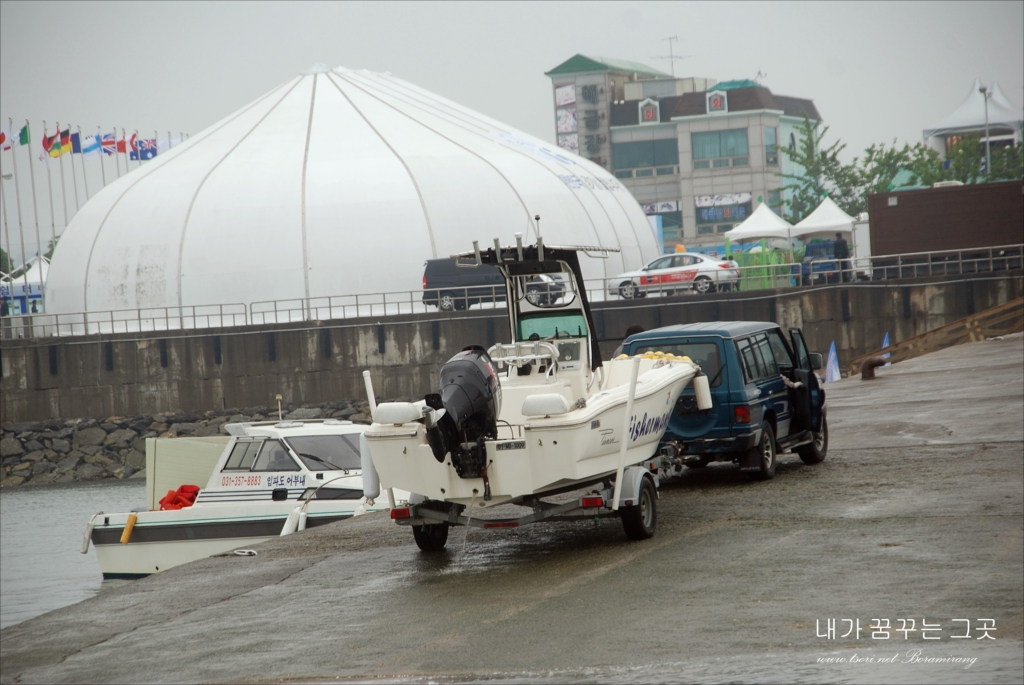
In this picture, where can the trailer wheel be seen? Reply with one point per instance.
(430, 537)
(640, 520)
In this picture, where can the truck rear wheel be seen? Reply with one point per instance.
(816, 452)
(640, 520)
(766, 455)
(430, 537)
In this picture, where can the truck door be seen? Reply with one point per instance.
(805, 374)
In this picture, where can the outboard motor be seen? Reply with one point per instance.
(471, 398)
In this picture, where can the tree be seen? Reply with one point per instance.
(5, 261)
(881, 165)
(824, 175)
(1007, 163)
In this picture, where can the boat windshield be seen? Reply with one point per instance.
(327, 452)
(551, 326)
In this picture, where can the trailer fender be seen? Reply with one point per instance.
(632, 478)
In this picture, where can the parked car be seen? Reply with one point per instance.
(685, 271)
(819, 265)
(448, 286)
(766, 398)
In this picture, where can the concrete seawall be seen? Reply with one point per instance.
(315, 362)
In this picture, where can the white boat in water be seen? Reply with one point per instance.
(537, 416)
(270, 478)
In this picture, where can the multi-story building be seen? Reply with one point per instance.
(698, 155)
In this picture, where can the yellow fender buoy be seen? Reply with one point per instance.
(127, 534)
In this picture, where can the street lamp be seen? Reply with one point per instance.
(985, 94)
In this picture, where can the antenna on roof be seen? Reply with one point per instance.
(760, 75)
(671, 55)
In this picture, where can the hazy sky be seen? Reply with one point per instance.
(875, 70)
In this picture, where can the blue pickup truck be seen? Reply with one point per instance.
(766, 398)
(819, 264)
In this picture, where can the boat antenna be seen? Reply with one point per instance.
(519, 245)
(497, 250)
(540, 248)
(476, 251)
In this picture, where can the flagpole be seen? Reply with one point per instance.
(74, 176)
(103, 170)
(63, 186)
(35, 212)
(49, 189)
(7, 225)
(85, 176)
(117, 160)
(21, 227)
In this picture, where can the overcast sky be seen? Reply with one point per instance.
(876, 71)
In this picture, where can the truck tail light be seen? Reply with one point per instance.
(741, 414)
(401, 513)
(424, 282)
(591, 502)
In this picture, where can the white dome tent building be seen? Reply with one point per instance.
(337, 182)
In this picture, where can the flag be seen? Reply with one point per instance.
(48, 143)
(109, 143)
(7, 140)
(885, 344)
(88, 144)
(143, 148)
(76, 143)
(122, 145)
(832, 373)
(65, 143)
(163, 145)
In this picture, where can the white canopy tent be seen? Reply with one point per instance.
(762, 223)
(825, 221)
(969, 117)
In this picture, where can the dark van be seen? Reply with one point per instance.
(766, 397)
(448, 286)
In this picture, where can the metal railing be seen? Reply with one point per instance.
(124, 321)
(751, 278)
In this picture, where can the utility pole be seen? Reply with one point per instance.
(988, 150)
(671, 54)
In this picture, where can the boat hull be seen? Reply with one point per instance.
(164, 539)
(543, 454)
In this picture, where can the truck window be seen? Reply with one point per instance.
(751, 359)
(771, 368)
(783, 357)
(704, 354)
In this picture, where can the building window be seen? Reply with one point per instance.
(775, 201)
(723, 228)
(646, 153)
(704, 230)
(740, 161)
(644, 172)
(704, 164)
(771, 146)
(720, 147)
(624, 174)
(792, 142)
(666, 170)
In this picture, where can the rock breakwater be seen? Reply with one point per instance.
(65, 451)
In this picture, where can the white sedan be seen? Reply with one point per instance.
(685, 271)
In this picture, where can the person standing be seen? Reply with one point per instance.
(842, 254)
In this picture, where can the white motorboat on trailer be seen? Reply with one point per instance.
(272, 478)
(539, 416)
